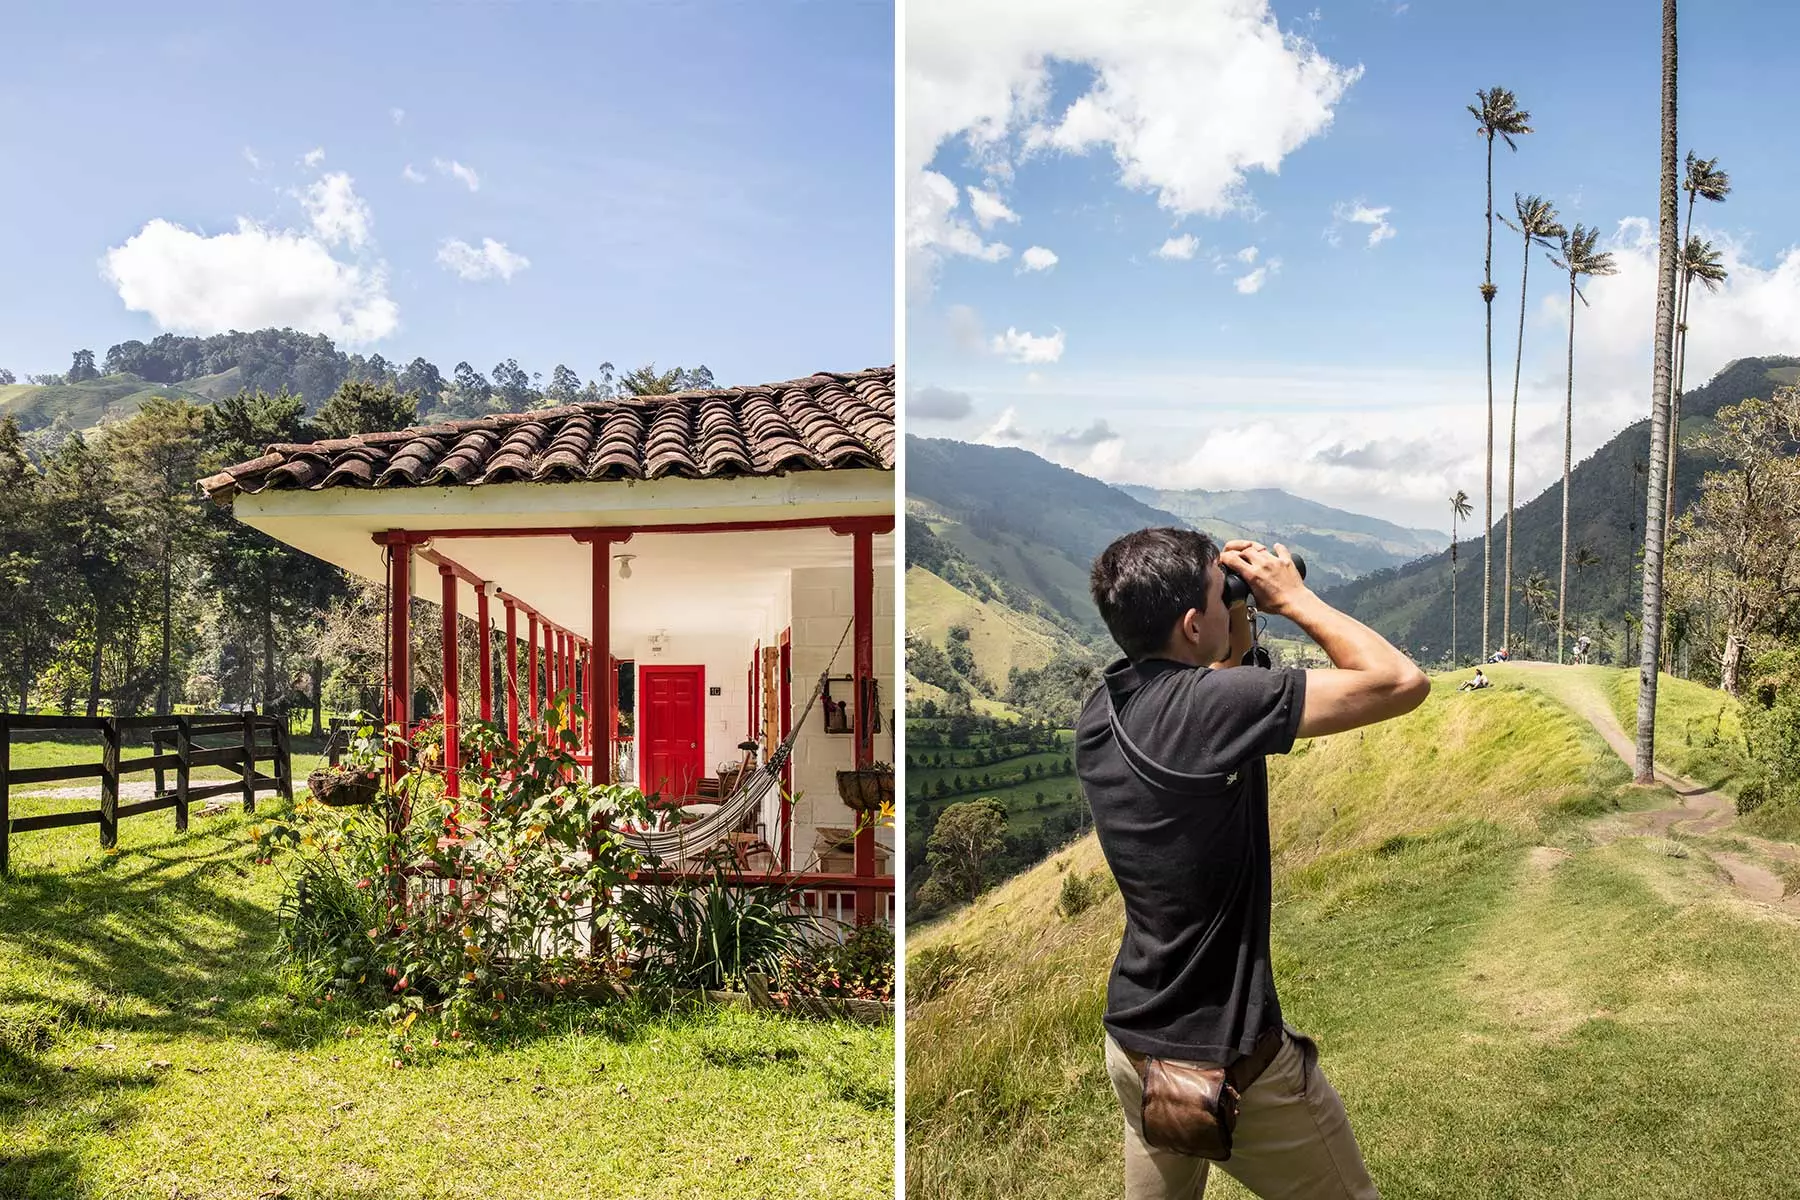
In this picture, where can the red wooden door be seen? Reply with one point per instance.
(672, 719)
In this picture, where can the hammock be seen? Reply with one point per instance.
(687, 843)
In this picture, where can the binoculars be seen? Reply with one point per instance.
(1237, 591)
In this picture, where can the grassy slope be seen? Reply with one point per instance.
(999, 637)
(88, 404)
(1501, 1020)
(1698, 733)
(111, 965)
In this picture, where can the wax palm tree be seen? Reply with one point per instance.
(1582, 560)
(1459, 511)
(1498, 115)
(1668, 248)
(1538, 226)
(1699, 260)
(1537, 598)
(1578, 258)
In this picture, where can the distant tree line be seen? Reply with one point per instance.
(122, 589)
(312, 368)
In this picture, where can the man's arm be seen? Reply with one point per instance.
(1373, 681)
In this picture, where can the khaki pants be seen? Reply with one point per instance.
(1292, 1141)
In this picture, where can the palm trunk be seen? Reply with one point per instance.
(1730, 661)
(1654, 532)
(1687, 288)
(1562, 570)
(1512, 453)
(1487, 297)
(1452, 592)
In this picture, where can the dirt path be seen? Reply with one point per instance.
(1698, 810)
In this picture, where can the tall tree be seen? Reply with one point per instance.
(366, 408)
(79, 489)
(26, 583)
(423, 379)
(1702, 179)
(1538, 226)
(565, 386)
(156, 458)
(1668, 230)
(514, 386)
(1738, 549)
(1578, 258)
(1459, 510)
(83, 368)
(1498, 115)
(1699, 260)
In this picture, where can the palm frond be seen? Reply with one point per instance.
(1704, 179)
(1701, 260)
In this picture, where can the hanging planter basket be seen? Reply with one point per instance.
(344, 787)
(867, 790)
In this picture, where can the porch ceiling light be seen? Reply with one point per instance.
(624, 564)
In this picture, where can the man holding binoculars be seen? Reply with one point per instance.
(1170, 751)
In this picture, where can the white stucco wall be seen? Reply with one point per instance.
(822, 605)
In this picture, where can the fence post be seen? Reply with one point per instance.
(284, 775)
(109, 785)
(156, 747)
(183, 749)
(5, 799)
(249, 763)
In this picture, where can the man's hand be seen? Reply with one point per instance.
(1272, 576)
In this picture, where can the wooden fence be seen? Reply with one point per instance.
(187, 750)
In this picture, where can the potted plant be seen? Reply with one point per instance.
(869, 788)
(357, 780)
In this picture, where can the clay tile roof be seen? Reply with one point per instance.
(821, 423)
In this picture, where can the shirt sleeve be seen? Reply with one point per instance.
(1234, 715)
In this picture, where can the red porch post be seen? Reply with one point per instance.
(531, 666)
(487, 652)
(600, 682)
(549, 667)
(863, 600)
(399, 696)
(512, 669)
(452, 684)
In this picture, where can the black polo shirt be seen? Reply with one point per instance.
(1190, 848)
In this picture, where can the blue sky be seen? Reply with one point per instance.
(573, 183)
(1350, 369)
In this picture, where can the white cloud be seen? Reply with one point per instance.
(251, 278)
(492, 260)
(1358, 213)
(1189, 96)
(1093, 450)
(1038, 258)
(337, 213)
(989, 208)
(1019, 347)
(398, 114)
(938, 404)
(934, 231)
(250, 157)
(314, 157)
(1182, 247)
(465, 175)
(1247, 255)
(1249, 285)
(411, 176)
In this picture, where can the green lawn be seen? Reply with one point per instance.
(1508, 1006)
(149, 1048)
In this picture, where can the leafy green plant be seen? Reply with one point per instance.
(469, 898)
(861, 966)
(708, 933)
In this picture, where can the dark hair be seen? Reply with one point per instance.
(1146, 581)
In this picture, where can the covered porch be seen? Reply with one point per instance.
(688, 616)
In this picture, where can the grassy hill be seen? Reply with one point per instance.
(1411, 604)
(1501, 996)
(111, 397)
(1000, 637)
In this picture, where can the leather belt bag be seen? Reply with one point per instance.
(1191, 1108)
